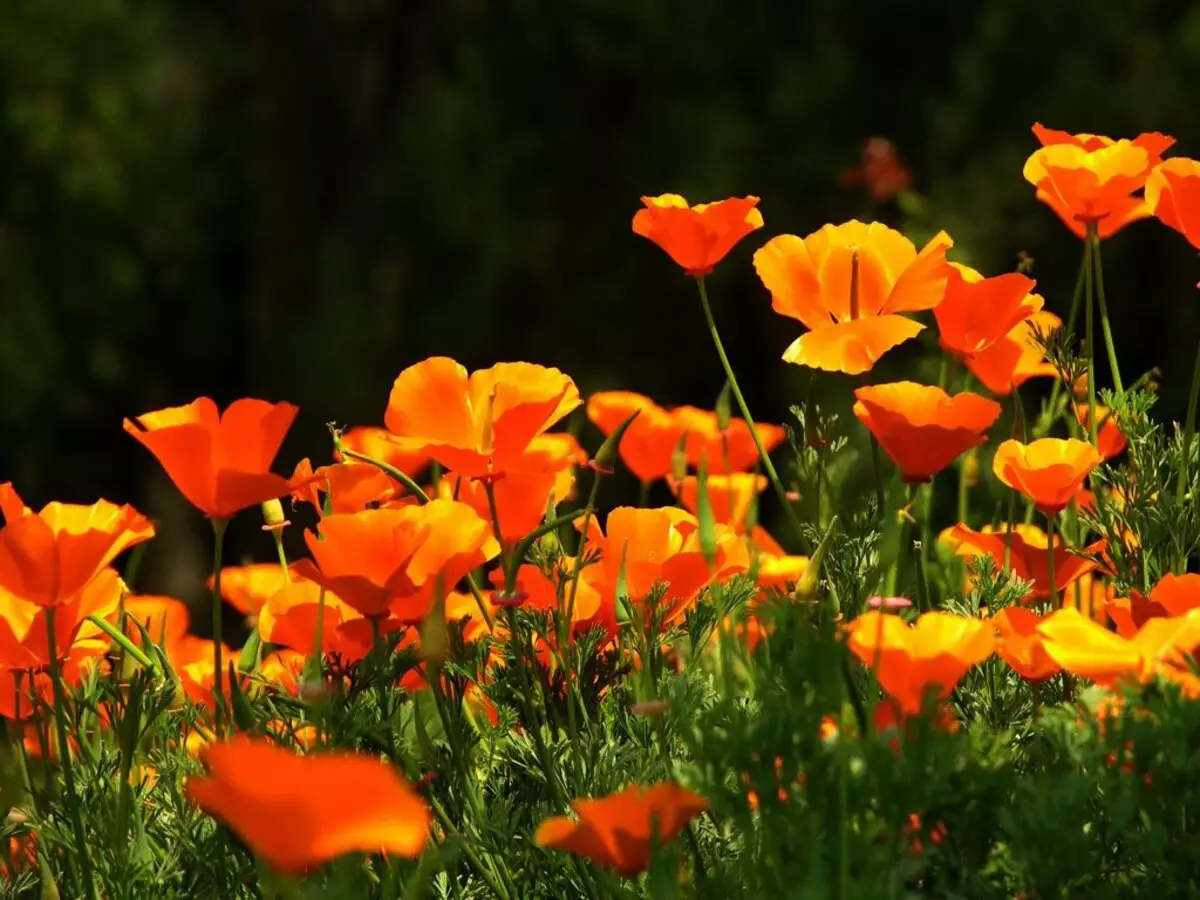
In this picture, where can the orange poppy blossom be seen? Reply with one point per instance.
(881, 171)
(246, 588)
(1090, 594)
(1021, 646)
(381, 444)
(727, 450)
(219, 461)
(696, 237)
(289, 619)
(1048, 471)
(730, 497)
(1015, 358)
(1087, 649)
(560, 452)
(620, 831)
(346, 486)
(1110, 440)
(382, 561)
(848, 284)
(649, 441)
(653, 546)
(978, 312)
(549, 592)
(48, 557)
(1027, 558)
(1173, 596)
(921, 427)
(283, 668)
(194, 664)
(297, 812)
(1090, 178)
(930, 656)
(1173, 195)
(476, 425)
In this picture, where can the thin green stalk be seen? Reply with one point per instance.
(567, 633)
(643, 494)
(218, 526)
(469, 852)
(526, 692)
(387, 469)
(769, 466)
(123, 641)
(1091, 342)
(1071, 317)
(1185, 458)
(1050, 517)
(64, 753)
(877, 473)
(1105, 327)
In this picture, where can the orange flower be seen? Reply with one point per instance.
(248, 587)
(1129, 614)
(289, 619)
(620, 830)
(1177, 594)
(1173, 596)
(219, 462)
(1027, 558)
(910, 661)
(881, 170)
(381, 444)
(1173, 195)
(382, 560)
(296, 812)
(979, 312)
(731, 450)
(24, 635)
(193, 662)
(697, 237)
(165, 619)
(478, 425)
(921, 427)
(730, 497)
(848, 283)
(1090, 595)
(1014, 359)
(548, 593)
(780, 570)
(1087, 178)
(652, 546)
(1110, 440)
(1048, 471)
(350, 486)
(650, 440)
(284, 669)
(48, 558)
(1021, 646)
(558, 452)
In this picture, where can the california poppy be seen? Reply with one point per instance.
(1021, 646)
(344, 487)
(651, 438)
(381, 444)
(554, 592)
(24, 625)
(930, 656)
(48, 557)
(1129, 614)
(289, 619)
(730, 497)
(725, 450)
(476, 425)
(881, 170)
(165, 619)
(1173, 195)
(697, 237)
(1091, 179)
(848, 284)
(1173, 596)
(219, 462)
(1110, 440)
(978, 312)
(619, 831)
(296, 812)
(1026, 549)
(1018, 356)
(1177, 594)
(1049, 471)
(922, 428)
(390, 559)
(248, 587)
(194, 662)
(521, 499)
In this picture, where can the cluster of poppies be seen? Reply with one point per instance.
(391, 553)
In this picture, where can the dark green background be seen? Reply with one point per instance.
(295, 199)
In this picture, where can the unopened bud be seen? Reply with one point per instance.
(434, 634)
(605, 460)
(724, 413)
(273, 516)
(971, 468)
(679, 465)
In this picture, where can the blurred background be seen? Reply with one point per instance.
(295, 199)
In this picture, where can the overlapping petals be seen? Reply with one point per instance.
(696, 237)
(1173, 195)
(1048, 471)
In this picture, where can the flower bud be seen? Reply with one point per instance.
(605, 460)
(971, 468)
(273, 516)
(724, 413)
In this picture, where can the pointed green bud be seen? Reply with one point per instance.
(810, 580)
(679, 465)
(724, 409)
(605, 460)
(704, 515)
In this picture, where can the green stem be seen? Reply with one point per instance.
(1091, 342)
(64, 753)
(877, 473)
(218, 526)
(1050, 517)
(643, 494)
(1185, 453)
(125, 643)
(769, 466)
(567, 633)
(1105, 327)
(395, 473)
(1071, 317)
(469, 852)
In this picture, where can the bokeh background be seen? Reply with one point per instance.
(295, 199)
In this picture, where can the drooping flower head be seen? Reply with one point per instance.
(221, 462)
(848, 285)
(922, 428)
(697, 237)
(481, 424)
(1090, 179)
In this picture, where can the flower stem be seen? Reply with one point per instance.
(1185, 453)
(1050, 517)
(769, 466)
(64, 753)
(1091, 342)
(1072, 315)
(1105, 327)
(218, 526)
(125, 643)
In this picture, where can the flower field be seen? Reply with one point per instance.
(482, 680)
